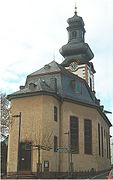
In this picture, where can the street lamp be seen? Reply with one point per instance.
(18, 116)
(69, 152)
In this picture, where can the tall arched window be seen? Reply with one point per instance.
(87, 136)
(74, 134)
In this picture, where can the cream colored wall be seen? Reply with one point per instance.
(103, 162)
(39, 127)
(50, 128)
(31, 109)
(80, 71)
(81, 160)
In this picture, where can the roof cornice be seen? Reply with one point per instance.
(61, 99)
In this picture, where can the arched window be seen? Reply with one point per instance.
(74, 134)
(88, 136)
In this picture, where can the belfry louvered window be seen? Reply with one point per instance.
(87, 136)
(74, 144)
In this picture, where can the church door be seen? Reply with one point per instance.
(25, 157)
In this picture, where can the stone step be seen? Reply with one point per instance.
(21, 177)
(27, 177)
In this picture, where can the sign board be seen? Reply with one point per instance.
(62, 149)
(28, 146)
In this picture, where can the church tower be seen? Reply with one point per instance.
(77, 54)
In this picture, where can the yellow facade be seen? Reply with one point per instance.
(38, 127)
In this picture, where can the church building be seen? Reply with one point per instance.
(56, 122)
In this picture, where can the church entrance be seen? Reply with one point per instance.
(25, 157)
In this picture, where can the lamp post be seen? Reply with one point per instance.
(38, 168)
(18, 116)
(69, 152)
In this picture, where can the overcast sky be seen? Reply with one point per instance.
(32, 32)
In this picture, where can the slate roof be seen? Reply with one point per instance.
(52, 67)
(44, 80)
(54, 74)
(55, 80)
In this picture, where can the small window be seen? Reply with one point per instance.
(46, 164)
(104, 133)
(90, 83)
(55, 113)
(77, 86)
(107, 145)
(55, 143)
(74, 34)
(82, 33)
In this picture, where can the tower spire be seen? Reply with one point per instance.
(75, 8)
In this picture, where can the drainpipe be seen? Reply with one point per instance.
(60, 132)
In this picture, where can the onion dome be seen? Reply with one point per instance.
(76, 49)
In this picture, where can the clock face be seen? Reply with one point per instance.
(73, 66)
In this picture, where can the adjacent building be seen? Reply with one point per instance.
(62, 122)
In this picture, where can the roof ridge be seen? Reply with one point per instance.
(46, 68)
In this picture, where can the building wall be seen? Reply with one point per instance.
(31, 125)
(51, 129)
(80, 160)
(38, 126)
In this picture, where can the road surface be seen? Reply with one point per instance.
(103, 175)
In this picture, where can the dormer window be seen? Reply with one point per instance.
(32, 86)
(78, 88)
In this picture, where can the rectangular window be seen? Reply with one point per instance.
(104, 133)
(55, 113)
(102, 141)
(74, 142)
(55, 144)
(99, 137)
(74, 34)
(46, 164)
(87, 136)
(107, 144)
(77, 86)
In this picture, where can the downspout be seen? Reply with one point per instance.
(60, 132)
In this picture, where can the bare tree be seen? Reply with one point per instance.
(4, 115)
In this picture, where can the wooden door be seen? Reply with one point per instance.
(25, 157)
